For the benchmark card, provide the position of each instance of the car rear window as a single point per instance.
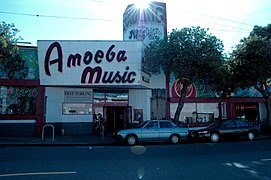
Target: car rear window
(241, 123)
(228, 124)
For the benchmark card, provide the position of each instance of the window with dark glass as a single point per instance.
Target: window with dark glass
(152, 125)
(229, 124)
(18, 100)
(240, 123)
(165, 125)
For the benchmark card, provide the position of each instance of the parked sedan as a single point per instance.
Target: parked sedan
(227, 128)
(152, 130)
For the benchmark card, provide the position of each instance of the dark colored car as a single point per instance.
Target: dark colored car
(152, 130)
(230, 128)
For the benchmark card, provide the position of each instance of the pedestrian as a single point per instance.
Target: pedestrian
(95, 124)
(101, 123)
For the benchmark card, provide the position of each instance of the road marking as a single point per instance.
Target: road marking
(239, 165)
(96, 147)
(36, 173)
(266, 159)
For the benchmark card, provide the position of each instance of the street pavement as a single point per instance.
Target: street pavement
(241, 160)
(69, 140)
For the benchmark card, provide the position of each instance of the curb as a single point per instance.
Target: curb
(50, 143)
(84, 141)
(53, 145)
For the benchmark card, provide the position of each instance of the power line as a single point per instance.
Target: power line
(219, 24)
(219, 18)
(100, 1)
(53, 16)
(106, 2)
(95, 19)
(226, 30)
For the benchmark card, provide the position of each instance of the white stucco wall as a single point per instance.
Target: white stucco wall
(55, 98)
(140, 99)
(158, 81)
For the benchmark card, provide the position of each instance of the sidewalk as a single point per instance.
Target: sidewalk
(67, 140)
(71, 140)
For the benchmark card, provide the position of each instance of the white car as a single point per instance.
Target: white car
(152, 130)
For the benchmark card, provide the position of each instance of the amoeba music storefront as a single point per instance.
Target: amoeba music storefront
(83, 78)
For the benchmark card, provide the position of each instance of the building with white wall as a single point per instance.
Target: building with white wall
(83, 78)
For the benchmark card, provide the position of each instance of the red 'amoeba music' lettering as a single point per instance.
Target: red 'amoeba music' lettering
(75, 59)
(59, 60)
(96, 75)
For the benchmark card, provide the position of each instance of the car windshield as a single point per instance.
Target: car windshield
(142, 124)
(216, 124)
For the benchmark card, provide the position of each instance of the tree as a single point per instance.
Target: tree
(190, 54)
(223, 83)
(159, 57)
(10, 59)
(262, 31)
(251, 63)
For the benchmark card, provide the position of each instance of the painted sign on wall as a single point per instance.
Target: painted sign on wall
(89, 62)
(146, 24)
(202, 89)
(177, 87)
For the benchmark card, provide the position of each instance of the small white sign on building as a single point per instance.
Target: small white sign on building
(77, 96)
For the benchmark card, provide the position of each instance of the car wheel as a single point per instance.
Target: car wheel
(131, 140)
(250, 136)
(174, 139)
(214, 137)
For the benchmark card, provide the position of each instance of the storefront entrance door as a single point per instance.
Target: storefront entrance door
(117, 117)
